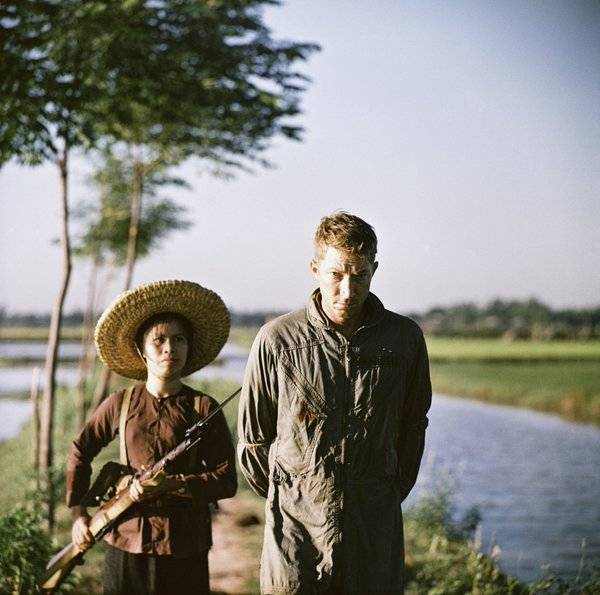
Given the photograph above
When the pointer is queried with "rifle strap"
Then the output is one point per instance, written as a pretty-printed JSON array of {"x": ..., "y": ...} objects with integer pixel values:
[
  {"x": 122, "y": 423},
  {"x": 197, "y": 404},
  {"x": 194, "y": 451}
]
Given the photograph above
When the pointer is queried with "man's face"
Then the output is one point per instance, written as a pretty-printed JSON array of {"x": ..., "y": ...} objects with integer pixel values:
[{"x": 344, "y": 280}]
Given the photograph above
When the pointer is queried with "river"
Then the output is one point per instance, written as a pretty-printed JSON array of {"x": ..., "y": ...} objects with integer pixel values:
[{"x": 533, "y": 476}]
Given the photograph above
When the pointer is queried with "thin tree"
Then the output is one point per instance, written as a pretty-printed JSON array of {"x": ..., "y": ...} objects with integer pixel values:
[
  {"x": 233, "y": 86},
  {"x": 187, "y": 77},
  {"x": 47, "y": 108},
  {"x": 35, "y": 426},
  {"x": 86, "y": 359},
  {"x": 106, "y": 236}
]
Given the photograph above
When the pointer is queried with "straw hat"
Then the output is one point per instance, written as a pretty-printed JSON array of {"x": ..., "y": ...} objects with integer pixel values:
[{"x": 118, "y": 325}]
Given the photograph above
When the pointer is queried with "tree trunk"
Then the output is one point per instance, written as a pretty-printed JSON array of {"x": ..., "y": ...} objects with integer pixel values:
[
  {"x": 137, "y": 190},
  {"x": 87, "y": 356},
  {"x": 134, "y": 223},
  {"x": 35, "y": 433},
  {"x": 48, "y": 404}
]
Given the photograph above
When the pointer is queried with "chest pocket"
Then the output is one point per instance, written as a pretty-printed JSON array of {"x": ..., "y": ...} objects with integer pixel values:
[
  {"x": 379, "y": 360},
  {"x": 302, "y": 413},
  {"x": 377, "y": 376}
]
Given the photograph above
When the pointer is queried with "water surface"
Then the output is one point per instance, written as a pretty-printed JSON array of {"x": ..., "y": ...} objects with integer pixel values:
[
  {"x": 13, "y": 415},
  {"x": 534, "y": 476}
]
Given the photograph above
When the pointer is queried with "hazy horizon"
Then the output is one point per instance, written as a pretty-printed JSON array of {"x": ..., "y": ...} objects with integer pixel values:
[{"x": 277, "y": 311}]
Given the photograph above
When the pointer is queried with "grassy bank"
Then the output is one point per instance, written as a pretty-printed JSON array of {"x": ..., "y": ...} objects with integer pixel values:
[
  {"x": 571, "y": 389},
  {"x": 443, "y": 349},
  {"x": 243, "y": 336},
  {"x": 443, "y": 557},
  {"x": 558, "y": 376}
]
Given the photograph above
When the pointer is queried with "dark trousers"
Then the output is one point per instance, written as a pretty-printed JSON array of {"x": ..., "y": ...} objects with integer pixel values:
[{"x": 143, "y": 574}]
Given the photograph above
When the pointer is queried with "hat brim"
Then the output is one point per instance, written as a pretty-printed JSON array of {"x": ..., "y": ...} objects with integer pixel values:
[{"x": 202, "y": 308}]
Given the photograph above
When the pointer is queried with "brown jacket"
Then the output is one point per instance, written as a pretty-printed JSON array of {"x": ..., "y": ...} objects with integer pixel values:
[
  {"x": 177, "y": 526},
  {"x": 331, "y": 432}
]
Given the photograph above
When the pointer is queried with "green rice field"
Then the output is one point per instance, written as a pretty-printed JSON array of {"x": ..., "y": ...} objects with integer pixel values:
[{"x": 496, "y": 350}]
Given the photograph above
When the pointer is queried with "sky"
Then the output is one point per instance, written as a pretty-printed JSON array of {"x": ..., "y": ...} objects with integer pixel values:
[{"x": 466, "y": 132}]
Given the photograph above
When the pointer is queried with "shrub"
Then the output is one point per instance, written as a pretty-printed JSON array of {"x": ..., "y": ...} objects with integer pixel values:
[
  {"x": 441, "y": 560},
  {"x": 25, "y": 548},
  {"x": 587, "y": 581}
]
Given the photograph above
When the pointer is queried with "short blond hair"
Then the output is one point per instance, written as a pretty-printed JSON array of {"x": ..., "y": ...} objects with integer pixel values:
[{"x": 345, "y": 232}]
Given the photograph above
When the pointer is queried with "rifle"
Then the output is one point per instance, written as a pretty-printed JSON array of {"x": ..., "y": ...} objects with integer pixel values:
[{"x": 111, "y": 492}]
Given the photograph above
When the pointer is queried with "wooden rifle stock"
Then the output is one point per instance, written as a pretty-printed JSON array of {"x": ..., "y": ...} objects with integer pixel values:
[
  {"x": 61, "y": 564},
  {"x": 59, "y": 567}
]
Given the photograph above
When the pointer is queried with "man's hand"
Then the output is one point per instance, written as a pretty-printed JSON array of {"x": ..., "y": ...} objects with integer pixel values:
[
  {"x": 160, "y": 484},
  {"x": 81, "y": 536}
]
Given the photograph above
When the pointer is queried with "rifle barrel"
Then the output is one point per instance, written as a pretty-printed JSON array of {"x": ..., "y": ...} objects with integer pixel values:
[{"x": 214, "y": 412}]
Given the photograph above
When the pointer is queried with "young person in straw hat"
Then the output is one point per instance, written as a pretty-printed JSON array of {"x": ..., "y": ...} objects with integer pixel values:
[{"x": 157, "y": 333}]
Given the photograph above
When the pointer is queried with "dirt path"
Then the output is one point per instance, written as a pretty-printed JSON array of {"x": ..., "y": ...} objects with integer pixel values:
[{"x": 237, "y": 536}]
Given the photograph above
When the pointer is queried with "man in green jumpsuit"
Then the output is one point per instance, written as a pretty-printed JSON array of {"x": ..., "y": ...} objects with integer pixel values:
[{"x": 332, "y": 426}]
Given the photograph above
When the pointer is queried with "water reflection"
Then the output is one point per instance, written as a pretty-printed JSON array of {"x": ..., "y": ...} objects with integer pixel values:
[{"x": 37, "y": 349}]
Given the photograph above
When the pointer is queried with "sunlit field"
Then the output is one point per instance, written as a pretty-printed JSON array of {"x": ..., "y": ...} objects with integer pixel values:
[{"x": 444, "y": 349}]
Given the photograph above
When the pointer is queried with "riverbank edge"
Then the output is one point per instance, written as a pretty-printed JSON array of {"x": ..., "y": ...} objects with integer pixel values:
[
  {"x": 570, "y": 407},
  {"x": 574, "y": 405}
]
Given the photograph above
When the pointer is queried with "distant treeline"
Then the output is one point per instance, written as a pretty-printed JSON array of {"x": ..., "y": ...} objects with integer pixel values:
[
  {"x": 509, "y": 319},
  {"x": 75, "y": 318}
]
